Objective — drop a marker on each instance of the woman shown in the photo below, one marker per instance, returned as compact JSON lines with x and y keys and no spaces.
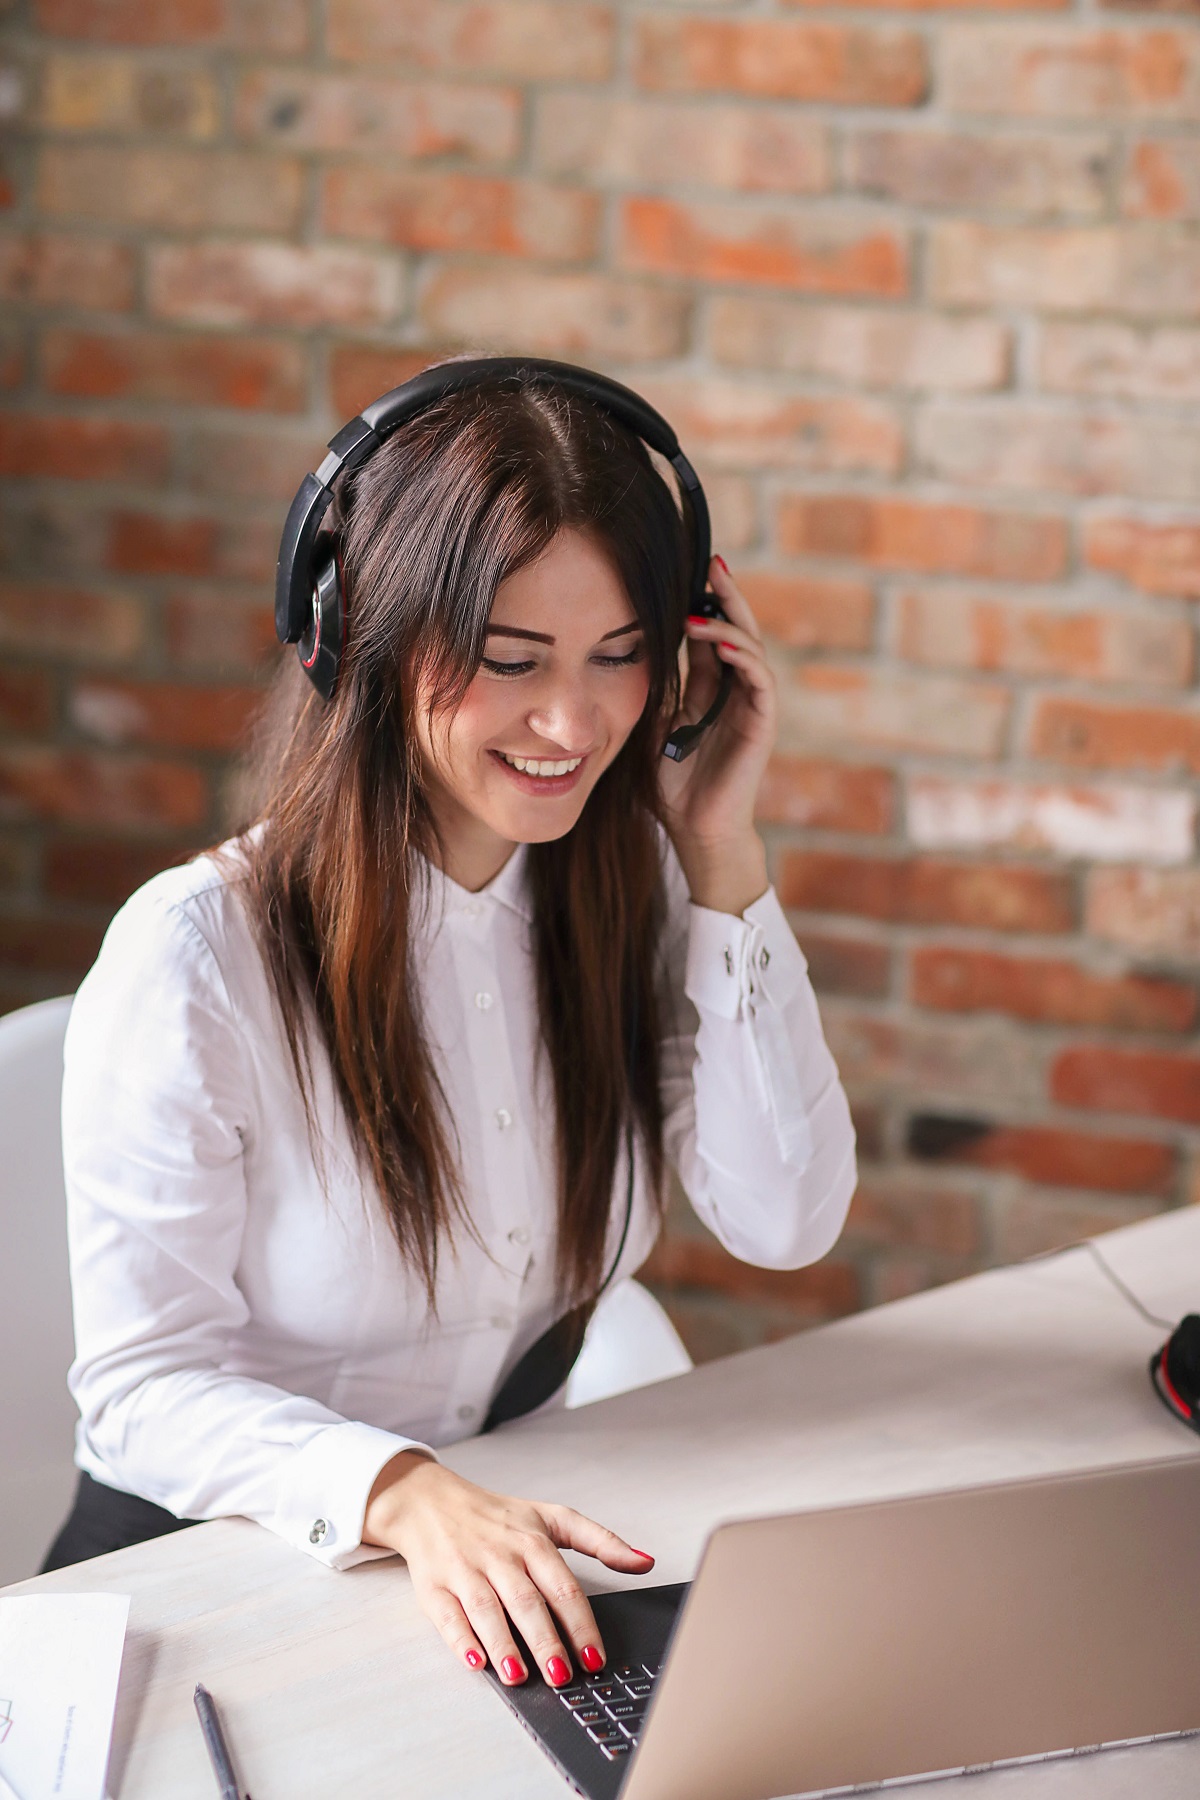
{"x":347,"y":1102}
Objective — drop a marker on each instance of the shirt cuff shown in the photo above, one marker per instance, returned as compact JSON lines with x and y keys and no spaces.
{"x":735,"y":965}
{"x":324,"y":1496}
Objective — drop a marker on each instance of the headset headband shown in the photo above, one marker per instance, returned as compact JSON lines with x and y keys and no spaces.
{"x":298,"y":582}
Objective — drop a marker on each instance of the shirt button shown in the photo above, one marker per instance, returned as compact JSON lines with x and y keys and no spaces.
{"x":503,"y":1118}
{"x":728,"y":960}
{"x":319,"y":1531}
{"x":465,"y":1413}
{"x":519,"y":1235}
{"x":483,"y":1001}
{"x":764,"y":959}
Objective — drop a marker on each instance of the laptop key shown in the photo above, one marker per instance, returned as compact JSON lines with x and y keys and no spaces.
{"x":593,"y":1716}
{"x":631,"y":1729}
{"x":574,"y":1698}
{"x":615,"y":1751}
{"x":605,"y":1734}
{"x":604,"y":1691}
{"x":639,"y":1690}
{"x":623,"y":1709}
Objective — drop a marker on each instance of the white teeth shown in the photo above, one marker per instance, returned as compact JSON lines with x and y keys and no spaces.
{"x":530,"y":766}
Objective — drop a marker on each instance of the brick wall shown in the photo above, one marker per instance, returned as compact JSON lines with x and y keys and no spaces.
{"x":920,"y":287}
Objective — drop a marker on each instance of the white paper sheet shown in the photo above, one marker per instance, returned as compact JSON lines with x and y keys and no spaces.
{"x":60,"y":1660}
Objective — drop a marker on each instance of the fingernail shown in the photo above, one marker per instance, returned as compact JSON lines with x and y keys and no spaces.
{"x":474,"y":1660}
{"x":726,"y":646}
{"x":513,"y":1670}
{"x":697,"y":619}
{"x":722,"y":562}
{"x":591,"y":1658}
{"x":643,"y":1553}
{"x":558,"y":1671}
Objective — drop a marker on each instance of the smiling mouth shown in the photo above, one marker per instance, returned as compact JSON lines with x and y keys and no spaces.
{"x":541,"y":766}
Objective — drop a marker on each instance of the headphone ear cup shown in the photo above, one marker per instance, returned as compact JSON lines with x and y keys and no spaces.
{"x":320,"y":648}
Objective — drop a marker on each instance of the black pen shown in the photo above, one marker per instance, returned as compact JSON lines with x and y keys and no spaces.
{"x":218,"y":1749}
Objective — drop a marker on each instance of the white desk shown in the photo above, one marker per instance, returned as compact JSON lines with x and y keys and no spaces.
{"x":332,"y":1684}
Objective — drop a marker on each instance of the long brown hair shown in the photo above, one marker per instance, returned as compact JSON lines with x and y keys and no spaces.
{"x":456,"y":500}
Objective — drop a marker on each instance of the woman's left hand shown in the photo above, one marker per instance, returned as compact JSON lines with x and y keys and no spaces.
{"x":708,"y":800}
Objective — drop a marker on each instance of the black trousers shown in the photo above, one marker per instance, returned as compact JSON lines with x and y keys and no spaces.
{"x":104,"y":1519}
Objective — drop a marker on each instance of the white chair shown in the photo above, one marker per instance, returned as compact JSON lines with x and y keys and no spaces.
{"x":630,"y":1341}
{"x":37,"y":1415}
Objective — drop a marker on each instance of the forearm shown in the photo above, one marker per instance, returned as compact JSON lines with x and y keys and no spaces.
{"x":724,"y":877}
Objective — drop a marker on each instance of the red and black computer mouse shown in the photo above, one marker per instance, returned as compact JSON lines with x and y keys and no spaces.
{"x":1175,"y":1371}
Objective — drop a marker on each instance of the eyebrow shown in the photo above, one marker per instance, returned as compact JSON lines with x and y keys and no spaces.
{"x":543,"y":637}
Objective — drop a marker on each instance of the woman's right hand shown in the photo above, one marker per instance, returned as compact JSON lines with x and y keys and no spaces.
{"x":475,"y":1556}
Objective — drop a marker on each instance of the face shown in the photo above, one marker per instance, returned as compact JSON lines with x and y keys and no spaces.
{"x":563,"y":682}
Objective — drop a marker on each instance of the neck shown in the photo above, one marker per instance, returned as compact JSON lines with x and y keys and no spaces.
{"x":466,"y":849}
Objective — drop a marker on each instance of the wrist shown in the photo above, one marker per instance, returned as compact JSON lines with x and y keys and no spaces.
{"x":386,"y":1501}
{"x":725,"y":877}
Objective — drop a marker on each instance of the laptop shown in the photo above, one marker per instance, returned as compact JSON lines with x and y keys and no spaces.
{"x":856,"y":1645}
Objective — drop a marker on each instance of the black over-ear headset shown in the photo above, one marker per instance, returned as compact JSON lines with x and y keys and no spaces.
{"x":310,"y":599}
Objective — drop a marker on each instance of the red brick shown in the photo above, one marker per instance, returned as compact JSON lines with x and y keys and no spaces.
{"x":280,"y":25}
{"x":1120,"y":362}
{"x":912,"y":1058}
{"x":49,"y":270}
{"x":211,"y":629}
{"x":360,"y":373}
{"x":927,"y":891}
{"x":90,"y":93}
{"x":947,"y":628}
{"x":80,"y":623}
{"x":13,"y":359}
{"x":1146,"y":271}
{"x":885,"y":709}
{"x":755,"y":245}
{"x":92,"y":789}
{"x":1091,"y":735}
{"x":897,"y":1210}
{"x":566,"y":313}
{"x":449,"y":211}
{"x":164,"y":715}
{"x":270,"y":284}
{"x":1156,"y":911}
{"x":1159,"y":558}
{"x":178,"y":190}
{"x":1039,"y":175}
{"x":528,"y":40}
{"x":1031,"y":1224}
{"x":862,"y":346}
{"x":251,"y":464}
{"x":145,"y":544}
{"x":33,"y":941}
{"x":733,"y":503}
{"x":926,"y":535}
{"x":683,"y":1262}
{"x":359,"y":112}
{"x":186,"y":369}
{"x":1162,"y":180}
{"x":231,"y":549}
{"x":1061,"y":71}
{"x":1106,"y":823}
{"x":848,"y":965}
{"x":809,"y":613}
{"x":739,"y":425}
{"x":761,"y":149}
{"x":1163,"y":1084}
{"x":26,"y":701}
{"x":102,"y":871}
{"x":1046,"y":1153}
{"x":81,"y":449}
{"x":1047,"y":990}
{"x":1048,"y":449}
{"x":830,"y":796}
{"x":781,"y":59}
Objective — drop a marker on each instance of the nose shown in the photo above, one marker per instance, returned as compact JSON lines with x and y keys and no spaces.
{"x":566,"y":718}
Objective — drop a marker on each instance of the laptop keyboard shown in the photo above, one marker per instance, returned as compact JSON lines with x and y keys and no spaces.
{"x":610,"y":1707}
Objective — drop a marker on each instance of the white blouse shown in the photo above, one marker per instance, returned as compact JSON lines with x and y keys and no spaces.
{"x":248,"y":1339}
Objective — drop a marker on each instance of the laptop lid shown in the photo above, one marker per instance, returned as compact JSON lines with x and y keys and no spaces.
{"x":931,"y":1634}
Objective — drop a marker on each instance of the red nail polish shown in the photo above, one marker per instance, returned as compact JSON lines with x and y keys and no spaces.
{"x":558,"y":1671}
{"x":726,"y":646}
{"x":722,"y":562}
{"x":698,"y":619}
{"x":591,"y":1658}
{"x":512,"y":1669}
{"x":474,"y":1660}
{"x":644,"y":1553}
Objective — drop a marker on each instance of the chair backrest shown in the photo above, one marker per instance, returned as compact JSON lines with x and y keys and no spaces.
{"x":37,"y":1415}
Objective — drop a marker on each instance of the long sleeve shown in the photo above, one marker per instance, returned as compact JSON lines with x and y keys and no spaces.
{"x":158,"y":1107}
{"x":757,"y":1124}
